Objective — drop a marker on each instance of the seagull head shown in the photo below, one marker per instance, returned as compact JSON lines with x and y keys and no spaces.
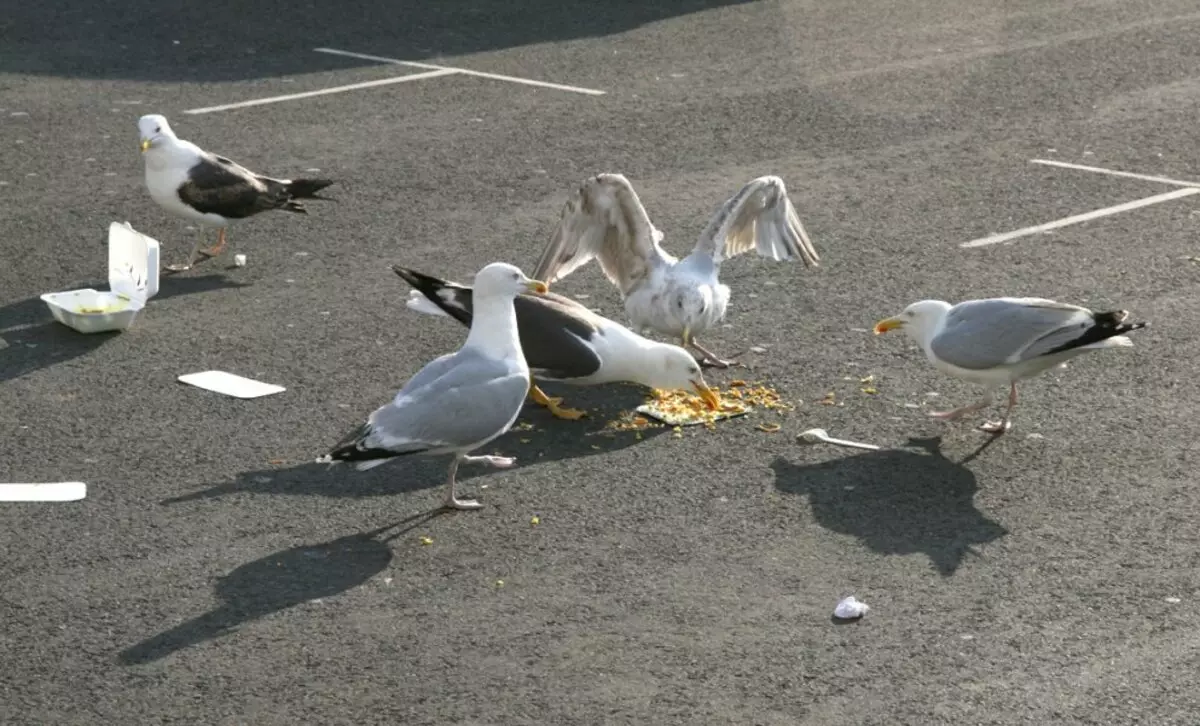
{"x":689,"y":306}
{"x":671,"y":368}
{"x":920,"y":320}
{"x":503,"y":279}
{"x":154,"y":131}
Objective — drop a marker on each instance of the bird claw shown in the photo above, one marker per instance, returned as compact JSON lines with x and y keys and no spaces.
{"x":461,"y":504}
{"x":995,"y":427}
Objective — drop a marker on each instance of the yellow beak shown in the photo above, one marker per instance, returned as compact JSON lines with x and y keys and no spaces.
{"x":687,"y":336}
{"x":145,"y":145}
{"x":710,"y":397}
{"x":888,"y":324}
{"x":536,"y":286}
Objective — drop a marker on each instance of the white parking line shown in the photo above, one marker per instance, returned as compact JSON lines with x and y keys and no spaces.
{"x":326,"y":91}
{"x":1113,"y":172}
{"x":1136,"y":204}
{"x":464,"y":71}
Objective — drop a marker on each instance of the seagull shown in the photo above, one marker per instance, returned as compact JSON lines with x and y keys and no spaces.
{"x":1004,"y":340}
{"x":678,"y":298}
{"x":199,"y":186}
{"x":459,"y":401}
{"x":566,"y":342}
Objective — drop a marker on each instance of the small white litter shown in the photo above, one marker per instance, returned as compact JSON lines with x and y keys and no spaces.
{"x":230,"y":384}
{"x":850,"y":609}
{"x":59,"y":491}
{"x":132,"y":280}
{"x":239,"y":260}
{"x":821,"y":436}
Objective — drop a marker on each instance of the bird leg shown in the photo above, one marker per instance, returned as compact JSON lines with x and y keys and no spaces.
{"x":452,"y":501}
{"x":191,"y":257}
{"x":218,"y":248}
{"x":500,"y":462}
{"x":554,"y":404}
{"x":710,"y":359}
{"x":1004,"y":424}
{"x":958,"y":413}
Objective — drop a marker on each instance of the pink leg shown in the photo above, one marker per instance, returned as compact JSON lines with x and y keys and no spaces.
{"x":1004,"y":424}
{"x":963,"y":411}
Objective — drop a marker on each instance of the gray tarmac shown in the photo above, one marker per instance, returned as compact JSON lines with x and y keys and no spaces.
{"x":214,"y":575}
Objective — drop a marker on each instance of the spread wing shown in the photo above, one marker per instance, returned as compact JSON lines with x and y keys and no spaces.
{"x":759,"y":217}
{"x":604,"y":219}
{"x":981,"y":334}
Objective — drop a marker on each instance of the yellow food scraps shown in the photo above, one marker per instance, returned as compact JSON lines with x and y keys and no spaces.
{"x":870,"y":390}
{"x":683,"y":408}
{"x":499,"y":583}
{"x":426,"y":540}
{"x":829,"y":400}
{"x":769,"y":428}
{"x":535,"y":520}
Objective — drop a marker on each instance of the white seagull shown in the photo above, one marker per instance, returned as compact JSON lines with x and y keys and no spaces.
{"x":566,"y":342}
{"x":1003,"y":340}
{"x":460,"y":401}
{"x":201,"y":187}
{"x":678,"y":298}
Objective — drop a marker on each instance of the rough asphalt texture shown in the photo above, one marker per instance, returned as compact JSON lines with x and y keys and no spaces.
{"x":214,"y":576}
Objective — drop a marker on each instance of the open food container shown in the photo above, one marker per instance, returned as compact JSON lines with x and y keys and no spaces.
{"x":133,"y":267}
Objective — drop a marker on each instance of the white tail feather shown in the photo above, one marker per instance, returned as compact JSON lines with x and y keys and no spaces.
{"x":421,"y":304}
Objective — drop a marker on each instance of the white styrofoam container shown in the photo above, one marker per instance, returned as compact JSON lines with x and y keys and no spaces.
{"x":133,"y":269}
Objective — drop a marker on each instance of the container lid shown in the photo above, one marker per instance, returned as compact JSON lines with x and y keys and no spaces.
{"x":128,"y":261}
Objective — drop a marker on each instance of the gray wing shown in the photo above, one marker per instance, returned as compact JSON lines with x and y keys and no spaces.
{"x":554,"y":332}
{"x":980,"y":334}
{"x":759,"y":217}
{"x":604,"y":219}
{"x":470,"y":398}
{"x":216,"y":185}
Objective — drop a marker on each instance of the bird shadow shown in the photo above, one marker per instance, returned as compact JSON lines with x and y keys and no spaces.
{"x":897,"y":501}
{"x":549,"y":440}
{"x":279,"y":581}
{"x":31,"y":339}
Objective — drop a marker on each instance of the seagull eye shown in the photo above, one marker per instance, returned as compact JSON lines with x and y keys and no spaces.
{"x":158,"y":129}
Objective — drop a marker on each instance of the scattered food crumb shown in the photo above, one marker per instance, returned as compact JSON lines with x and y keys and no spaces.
{"x":525,"y":441}
{"x":275,"y":462}
{"x":870,"y":390}
{"x":769,"y":428}
{"x":757,"y":349}
{"x":535,"y":520}
{"x":426,"y":540}
{"x":1173,"y":600}
{"x":499,"y":583}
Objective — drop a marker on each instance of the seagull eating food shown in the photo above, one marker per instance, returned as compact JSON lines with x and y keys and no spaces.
{"x":1004,"y":340}
{"x":201,"y":187}
{"x":459,"y":401}
{"x":678,"y":298}
{"x":564,"y":341}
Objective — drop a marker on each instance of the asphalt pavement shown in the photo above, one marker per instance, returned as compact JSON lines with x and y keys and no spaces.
{"x":215,"y":575}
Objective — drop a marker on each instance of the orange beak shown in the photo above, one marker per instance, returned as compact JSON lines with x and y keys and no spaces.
{"x":888,"y":324}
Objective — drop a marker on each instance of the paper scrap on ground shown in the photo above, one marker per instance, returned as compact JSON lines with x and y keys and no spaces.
{"x":230,"y":384}
{"x":850,"y":609}
{"x":59,"y":491}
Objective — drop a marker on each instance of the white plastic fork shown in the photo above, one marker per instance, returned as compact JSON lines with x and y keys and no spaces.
{"x":821,"y":436}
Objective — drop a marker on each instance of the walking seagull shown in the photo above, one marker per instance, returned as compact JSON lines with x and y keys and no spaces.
{"x":459,"y":401}
{"x":201,"y":187}
{"x":1004,"y":340}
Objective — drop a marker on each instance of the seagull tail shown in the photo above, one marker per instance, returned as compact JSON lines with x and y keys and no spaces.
{"x":354,"y":448}
{"x":307,"y":188}
{"x":449,"y":298}
{"x":1108,"y":332}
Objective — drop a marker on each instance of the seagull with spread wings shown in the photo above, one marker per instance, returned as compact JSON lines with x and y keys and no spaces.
{"x":1004,"y":340}
{"x":201,"y":187}
{"x":604,"y":219}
